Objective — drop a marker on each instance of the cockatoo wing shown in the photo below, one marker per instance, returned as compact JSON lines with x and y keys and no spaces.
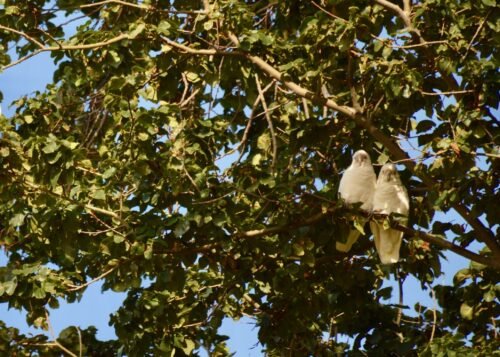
{"x":357,"y":185}
{"x":390,"y":197}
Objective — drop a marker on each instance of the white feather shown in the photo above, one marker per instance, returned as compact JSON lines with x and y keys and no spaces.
{"x":390,"y":197}
{"x":357,"y":185}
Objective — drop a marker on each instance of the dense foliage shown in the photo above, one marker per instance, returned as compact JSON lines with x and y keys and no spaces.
{"x":189,"y":153}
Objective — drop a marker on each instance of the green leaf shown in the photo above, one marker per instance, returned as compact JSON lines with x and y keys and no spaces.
{"x":461,"y":275}
{"x":264,"y":142}
{"x":491,"y":3}
{"x":137,"y":29}
{"x":490,"y":295}
{"x":189,"y":346}
{"x":69,"y":144}
{"x":466,"y":311}
{"x":425,"y":125}
{"x":8,"y":287}
{"x":17,"y":220}
{"x":164,"y":27}
{"x":208,"y":25}
{"x":50,"y":147}
{"x":192,"y":77}
{"x":359,"y":225}
{"x":99,"y":195}
{"x":148,"y":253}
{"x":181,"y":227}
{"x":109,"y":173}
{"x":4,"y":152}
{"x":298,"y":249}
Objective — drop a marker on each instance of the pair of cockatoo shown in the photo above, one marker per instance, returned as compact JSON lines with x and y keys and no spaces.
{"x":384,"y":195}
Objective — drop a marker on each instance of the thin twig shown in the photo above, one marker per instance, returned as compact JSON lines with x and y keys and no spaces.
{"x":452,"y":92}
{"x":52,"y":334}
{"x":186,"y":87}
{"x":434,"y":314}
{"x":117,"y":2}
{"x":22,"y":34}
{"x":247,"y":127}
{"x":269,"y":122}
{"x":190,"y":178}
{"x":427,"y":43}
{"x":401,"y":300}
{"x":479,"y":28}
{"x":212,"y":200}
{"x":80,"y":287}
{"x":282,"y":228}
{"x":329,"y":13}
{"x":80,"y":341}
{"x":21,"y":60}
{"x":61,"y":47}
{"x":111,"y":228}
{"x":142,"y":7}
{"x":188,"y":99}
{"x":306,"y":108}
{"x":350,"y":84}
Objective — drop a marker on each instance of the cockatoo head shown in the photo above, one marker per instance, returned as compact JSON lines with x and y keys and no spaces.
{"x":389,"y":173}
{"x":361,"y":158}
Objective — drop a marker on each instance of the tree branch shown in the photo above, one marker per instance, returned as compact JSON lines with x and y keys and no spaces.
{"x":57,"y":343}
{"x":294,"y":87}
{"x":283,"y":227}
{"x":85,"y":205}
{"x":394,"y":149}
{"x":350,"y":84}
{"x":80,"y":287}
{"x":62,"y":47}
{"x":409,"y":232}
{"x":399,"y":11}
{"x":484,"y":235}
{"x":141,"y":7}
{"x":269,"y":122}
{"x":443,"y":243}
{"x":22,"y":34}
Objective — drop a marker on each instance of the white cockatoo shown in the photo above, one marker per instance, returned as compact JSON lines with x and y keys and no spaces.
{"x":390,"y":197}
{"x":357,"y":185}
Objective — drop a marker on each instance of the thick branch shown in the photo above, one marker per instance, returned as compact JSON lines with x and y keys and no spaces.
{"x":409,"y":232}
{"x":443,"y":243}
{"x":399,"y":11}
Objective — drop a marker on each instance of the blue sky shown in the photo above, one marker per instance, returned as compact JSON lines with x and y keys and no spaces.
{"x":95,"y":307}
